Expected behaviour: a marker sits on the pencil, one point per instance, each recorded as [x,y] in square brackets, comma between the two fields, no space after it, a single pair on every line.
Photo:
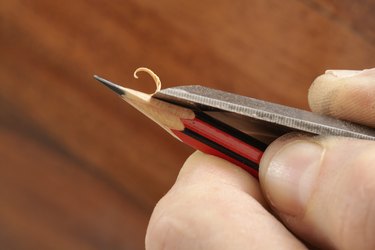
[194,127]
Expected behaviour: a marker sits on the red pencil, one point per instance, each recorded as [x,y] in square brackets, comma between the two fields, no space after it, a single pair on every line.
[195,128]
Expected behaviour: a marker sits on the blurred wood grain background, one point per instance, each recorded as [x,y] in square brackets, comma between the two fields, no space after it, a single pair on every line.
[79,168]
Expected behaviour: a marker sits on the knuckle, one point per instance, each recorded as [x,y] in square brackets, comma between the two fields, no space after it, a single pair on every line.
[163,234]
[170,225]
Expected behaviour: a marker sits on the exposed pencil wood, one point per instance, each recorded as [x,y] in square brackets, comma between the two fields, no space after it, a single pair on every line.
[167,115]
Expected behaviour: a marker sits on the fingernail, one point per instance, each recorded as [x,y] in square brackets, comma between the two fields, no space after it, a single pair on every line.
[349,73]
[343,73]
[291,174]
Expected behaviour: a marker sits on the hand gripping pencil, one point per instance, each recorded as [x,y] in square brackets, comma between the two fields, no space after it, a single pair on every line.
[232,127]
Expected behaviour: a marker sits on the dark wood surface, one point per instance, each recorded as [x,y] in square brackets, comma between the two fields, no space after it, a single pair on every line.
[80,169]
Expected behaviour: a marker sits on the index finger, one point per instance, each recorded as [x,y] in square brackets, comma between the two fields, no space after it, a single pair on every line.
[345,94]
[215,205]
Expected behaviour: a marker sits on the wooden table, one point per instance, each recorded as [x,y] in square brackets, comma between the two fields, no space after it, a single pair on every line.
[80,169]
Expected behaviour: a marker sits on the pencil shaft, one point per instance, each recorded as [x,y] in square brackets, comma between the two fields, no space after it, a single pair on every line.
[216,138]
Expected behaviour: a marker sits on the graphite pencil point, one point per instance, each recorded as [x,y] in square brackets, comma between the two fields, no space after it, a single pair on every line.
[169,116]
[116,88]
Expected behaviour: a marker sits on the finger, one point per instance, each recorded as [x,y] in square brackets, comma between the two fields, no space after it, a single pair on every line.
[323,189]
[348,95]
[215,205]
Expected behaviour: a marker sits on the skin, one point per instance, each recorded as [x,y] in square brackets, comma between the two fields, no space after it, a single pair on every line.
[313,191]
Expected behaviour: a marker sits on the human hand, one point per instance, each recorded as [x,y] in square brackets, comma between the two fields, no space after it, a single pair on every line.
[314,190]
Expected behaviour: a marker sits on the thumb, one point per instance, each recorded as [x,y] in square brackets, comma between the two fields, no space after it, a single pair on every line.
[323,189]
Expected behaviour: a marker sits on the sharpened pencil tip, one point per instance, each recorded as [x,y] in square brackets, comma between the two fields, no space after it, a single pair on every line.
[116,88]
